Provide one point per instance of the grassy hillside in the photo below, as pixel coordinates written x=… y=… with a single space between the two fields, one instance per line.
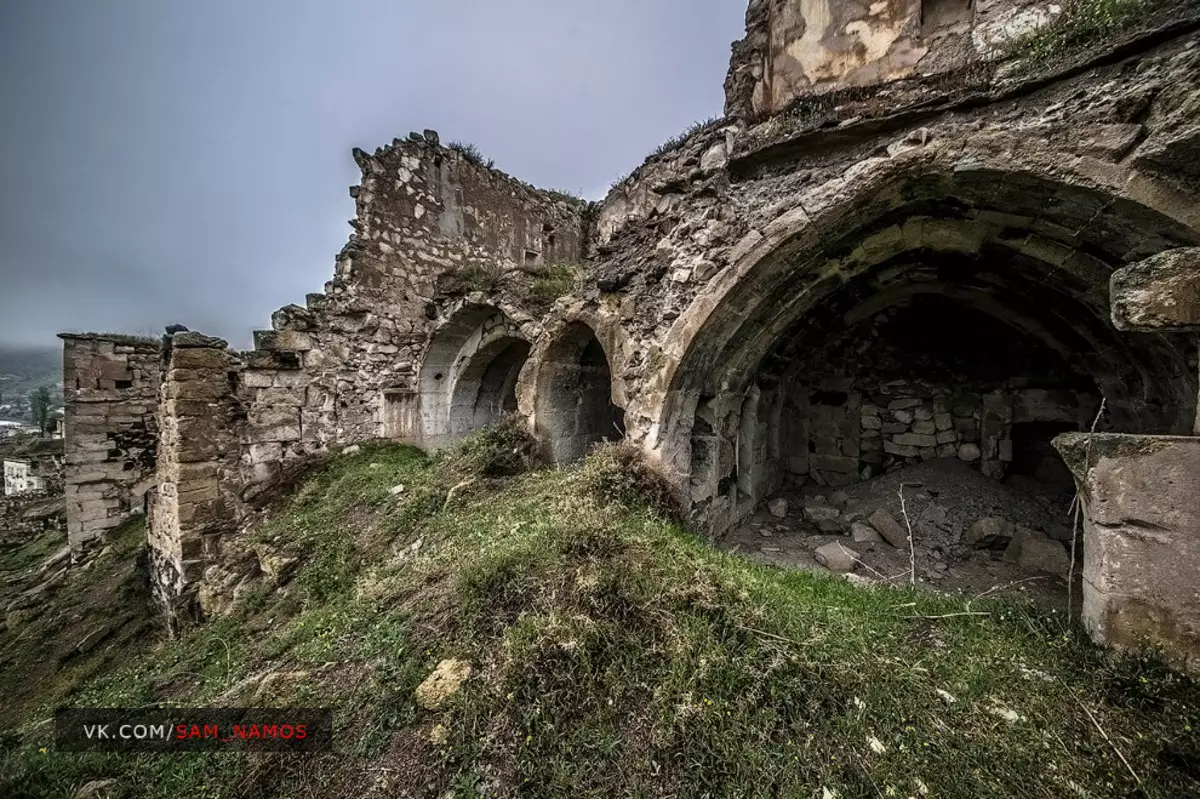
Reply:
x=613 y=654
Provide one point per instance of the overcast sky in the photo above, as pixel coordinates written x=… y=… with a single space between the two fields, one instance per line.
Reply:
x=188 y=160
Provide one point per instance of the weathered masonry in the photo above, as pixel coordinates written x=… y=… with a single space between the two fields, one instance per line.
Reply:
x=110 y=387
x=896 y=246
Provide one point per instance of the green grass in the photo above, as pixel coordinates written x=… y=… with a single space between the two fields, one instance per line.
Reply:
x=482 y=276
x=1082 y=23
x=616 y=654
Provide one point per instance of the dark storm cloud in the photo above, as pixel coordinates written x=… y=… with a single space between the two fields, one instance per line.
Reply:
x=164 y=160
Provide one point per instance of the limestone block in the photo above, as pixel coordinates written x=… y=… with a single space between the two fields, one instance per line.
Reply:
x=904 y=451
x=1161 y=293
x=1044 y=555
x=916 y=440
x=837 y=557
x=990 y=532
x=887 y=526
x=1141 y=539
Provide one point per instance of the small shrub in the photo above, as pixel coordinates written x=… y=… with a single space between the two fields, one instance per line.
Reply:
x=621 y=473
x=504 y=449
x=481 y=276
x=471 y=153
x=566 y=196
x=558 y=280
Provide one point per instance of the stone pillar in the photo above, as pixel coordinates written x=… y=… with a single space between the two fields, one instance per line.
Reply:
x=1141 y=494
x=110 y=388
x=1141 y=539
x=196 y=504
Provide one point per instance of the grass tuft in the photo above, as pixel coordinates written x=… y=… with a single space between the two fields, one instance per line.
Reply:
x=471 y=153
x=552 y=283
x=678 y=139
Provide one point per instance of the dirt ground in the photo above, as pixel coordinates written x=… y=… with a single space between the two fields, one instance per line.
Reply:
x=942 y=498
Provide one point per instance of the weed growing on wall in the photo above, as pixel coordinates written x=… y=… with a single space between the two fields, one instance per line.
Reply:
x=1080 y=24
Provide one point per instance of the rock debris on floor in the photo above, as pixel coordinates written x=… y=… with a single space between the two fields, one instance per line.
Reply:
x=971 y=534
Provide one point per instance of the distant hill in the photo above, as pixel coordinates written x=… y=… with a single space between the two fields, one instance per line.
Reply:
x=22 y=369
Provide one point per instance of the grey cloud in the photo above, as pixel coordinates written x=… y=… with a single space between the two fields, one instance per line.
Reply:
x=188 y=162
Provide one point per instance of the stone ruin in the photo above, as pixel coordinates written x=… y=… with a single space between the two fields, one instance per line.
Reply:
x=896 y=246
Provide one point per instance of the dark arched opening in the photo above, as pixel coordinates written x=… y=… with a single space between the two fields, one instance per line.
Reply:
x=468 y=379
x=575 y=409
x=486 y=390
x=938 y=327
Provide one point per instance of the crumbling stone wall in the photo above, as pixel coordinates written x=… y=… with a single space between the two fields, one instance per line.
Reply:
x=110 y=389
x=440 y=271
x=796 y=47
x=437 y=238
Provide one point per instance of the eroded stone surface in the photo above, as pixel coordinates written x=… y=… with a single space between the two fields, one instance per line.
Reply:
x=1141 y=547
x=1161 y=293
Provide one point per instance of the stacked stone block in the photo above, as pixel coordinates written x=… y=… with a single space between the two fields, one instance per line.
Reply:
x=110 y=387
x=197 y=500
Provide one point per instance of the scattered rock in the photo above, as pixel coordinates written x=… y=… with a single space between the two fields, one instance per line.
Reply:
x=396 y=491
x=278 y=682
x=95 y=637
x=97 y=789
x=1012 y=552
x=969 y=452
x=836 y=557
x=778 y=507
x=1008 y=714
x=945 y=696
x=839 y=499
x=889 y=528
x=442 y=684
x=1044 y=555
x=864 y=533
x=990 y=532
x=353 y=449
x=876 y=745
x=824 y=517
x=276 y=566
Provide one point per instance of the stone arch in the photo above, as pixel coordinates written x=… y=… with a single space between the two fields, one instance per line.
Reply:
x=574 y=407
x=469 y=374
x=1029 y=249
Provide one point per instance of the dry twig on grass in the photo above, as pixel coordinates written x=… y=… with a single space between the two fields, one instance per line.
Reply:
x=912 y=547
x=1076 y=503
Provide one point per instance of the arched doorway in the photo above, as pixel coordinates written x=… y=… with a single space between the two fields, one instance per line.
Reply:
x=943 y=315
x=575 y=409
x=468 y=379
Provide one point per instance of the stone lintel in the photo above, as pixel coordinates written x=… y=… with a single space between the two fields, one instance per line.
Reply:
x=1141 y=539
x=1160 y=294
